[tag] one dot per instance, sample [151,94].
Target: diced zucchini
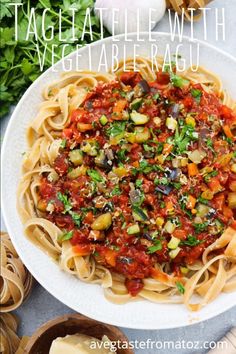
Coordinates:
[202,210]
[134,229]
[160,221]
[139,214]
[103,120]
[102,222]
[136,104]
[115,140]
[76,157]
[52,176]
[77,172]
[139,118]
[232,200]
[89,147]
[101,160]
[141,134]
[184,270]
[174,253]
[130,137]
[169,227]
[174,243]
[171,123]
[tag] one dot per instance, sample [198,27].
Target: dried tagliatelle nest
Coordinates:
[179,5]
[10,343]
[15,280]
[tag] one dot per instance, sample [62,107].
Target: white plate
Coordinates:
[86,298]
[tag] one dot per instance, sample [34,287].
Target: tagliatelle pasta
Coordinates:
[180,5]
[16,281]
[130,182]
[9,342]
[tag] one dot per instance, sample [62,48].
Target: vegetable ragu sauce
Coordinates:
[146,174]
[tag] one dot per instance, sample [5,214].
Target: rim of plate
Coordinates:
[192,318]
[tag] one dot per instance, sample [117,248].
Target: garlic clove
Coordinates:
[126,18]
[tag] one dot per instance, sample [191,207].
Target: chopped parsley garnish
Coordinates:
[116,128]
[138,183]
[64,199]
[178,81]
[180,287]
[200,227]
[66,236]
[184,137]
[191,241]
[121,154]
[207,178]
[95,176]
[116,191]
[63,143]
[156,247]
[77,218]
[197,94]
[203,200]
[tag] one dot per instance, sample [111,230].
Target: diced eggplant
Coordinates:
[139,214]
[125,260]
[76,157]
[147,236]
[175,110]
[135,196]
[139,118]
[108,207]
[136,104]
[163,189]
[102,161]
[141,88]
[174,174]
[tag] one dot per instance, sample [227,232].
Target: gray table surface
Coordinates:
[41,306]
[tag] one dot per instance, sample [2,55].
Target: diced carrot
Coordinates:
[227,212]
[181,234]
[192,169]
[159,275]
[135,164]
[110,257]
[169,208]
[167,149]
[191,202]
[228,132]
[215,185]
[82,250]
[218,201]
[88,219]
[119,106]
[83,127]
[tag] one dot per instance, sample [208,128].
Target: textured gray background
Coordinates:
[41,306]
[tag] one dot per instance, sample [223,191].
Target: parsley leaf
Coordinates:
[116,191]
[95,176]
[64,199]
[156,247]
[197,94]
[116,128]
[178,81]
[191,241]
[180,287]
[200,227]
[66,236]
